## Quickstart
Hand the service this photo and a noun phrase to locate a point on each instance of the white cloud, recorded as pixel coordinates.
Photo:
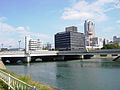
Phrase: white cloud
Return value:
(6, 27)
(82, 10)
(11, 34)
(109, 29)
(2, 19)
(118, 22)
(118, 25)
(7, 42)
(24, 31)
(72, 1)
(117, 4)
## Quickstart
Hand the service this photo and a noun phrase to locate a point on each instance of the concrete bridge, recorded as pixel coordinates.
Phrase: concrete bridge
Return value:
(14, 56)
(43, 55)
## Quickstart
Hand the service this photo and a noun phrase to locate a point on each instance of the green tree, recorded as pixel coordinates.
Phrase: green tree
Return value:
(111, 46)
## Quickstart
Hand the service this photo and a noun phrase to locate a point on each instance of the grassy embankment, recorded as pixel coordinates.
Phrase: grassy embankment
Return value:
(26, 79)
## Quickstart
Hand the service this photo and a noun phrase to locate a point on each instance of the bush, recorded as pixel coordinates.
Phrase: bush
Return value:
(111, 46)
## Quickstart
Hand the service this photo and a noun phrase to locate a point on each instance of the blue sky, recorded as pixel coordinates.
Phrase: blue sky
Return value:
(43, 18)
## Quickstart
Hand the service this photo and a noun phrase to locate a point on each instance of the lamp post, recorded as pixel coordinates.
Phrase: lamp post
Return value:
(19, 43)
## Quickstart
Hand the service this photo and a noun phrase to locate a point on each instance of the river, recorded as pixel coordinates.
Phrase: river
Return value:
(92, 74)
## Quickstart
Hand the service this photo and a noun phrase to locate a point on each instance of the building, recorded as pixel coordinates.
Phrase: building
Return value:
(91, 41)
(105, 41)
(27, 38)
(70, 39)
(34, 44)
(71, 29)
(89, 30)
(116, 40)
(31, 44)
(97, 42)
(47, 46)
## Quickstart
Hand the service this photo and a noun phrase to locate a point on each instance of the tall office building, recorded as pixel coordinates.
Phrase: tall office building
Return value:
(89, 30)
(69, 40)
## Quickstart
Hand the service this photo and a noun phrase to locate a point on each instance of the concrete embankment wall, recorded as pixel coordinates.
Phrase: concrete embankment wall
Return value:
(105, 56)
(2, 66)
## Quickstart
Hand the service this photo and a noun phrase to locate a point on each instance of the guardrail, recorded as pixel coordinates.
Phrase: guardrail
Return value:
(11, 52)
(14, 83)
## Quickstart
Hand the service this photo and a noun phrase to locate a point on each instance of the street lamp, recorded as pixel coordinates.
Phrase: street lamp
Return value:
(19, 43)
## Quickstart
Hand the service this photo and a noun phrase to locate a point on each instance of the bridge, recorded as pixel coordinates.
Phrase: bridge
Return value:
(45, 55)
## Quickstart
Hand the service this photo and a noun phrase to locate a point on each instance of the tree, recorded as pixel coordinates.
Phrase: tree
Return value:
(111, 46)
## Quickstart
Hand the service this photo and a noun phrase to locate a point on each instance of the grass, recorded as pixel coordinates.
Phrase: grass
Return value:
(3, 86)
(28, 80)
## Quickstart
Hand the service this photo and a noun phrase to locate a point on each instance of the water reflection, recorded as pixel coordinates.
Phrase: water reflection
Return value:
(74, 75)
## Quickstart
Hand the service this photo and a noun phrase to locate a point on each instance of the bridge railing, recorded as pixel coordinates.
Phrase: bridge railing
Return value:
(11, 52)
(43, 52)
(14, 83)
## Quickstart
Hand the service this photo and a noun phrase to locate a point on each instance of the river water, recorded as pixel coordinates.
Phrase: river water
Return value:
(92, 74)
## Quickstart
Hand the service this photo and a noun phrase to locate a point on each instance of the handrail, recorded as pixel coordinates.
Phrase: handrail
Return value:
(14, 83)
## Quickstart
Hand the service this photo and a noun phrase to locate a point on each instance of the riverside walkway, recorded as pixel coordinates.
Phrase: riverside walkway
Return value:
(14, 83)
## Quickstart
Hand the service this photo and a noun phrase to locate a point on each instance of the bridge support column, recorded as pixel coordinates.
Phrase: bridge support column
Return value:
(82, 57)
(28, 59)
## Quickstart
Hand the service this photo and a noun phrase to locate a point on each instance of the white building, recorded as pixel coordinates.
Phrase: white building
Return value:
(27, 38)
(34, 44)
(96, 44)
(31, 44)
(91, 42)
(89, 30)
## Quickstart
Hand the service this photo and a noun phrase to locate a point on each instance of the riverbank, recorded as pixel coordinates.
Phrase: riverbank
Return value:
(2, 66)
(26, 79)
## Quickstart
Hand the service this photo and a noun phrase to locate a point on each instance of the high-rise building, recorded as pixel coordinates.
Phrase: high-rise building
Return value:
(89, 30)
(70, 39)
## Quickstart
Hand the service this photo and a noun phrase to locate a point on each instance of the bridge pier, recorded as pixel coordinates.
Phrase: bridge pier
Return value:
(73, 57)
(28, 59)
(13, 59)
(88, 56)
(59, 58)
